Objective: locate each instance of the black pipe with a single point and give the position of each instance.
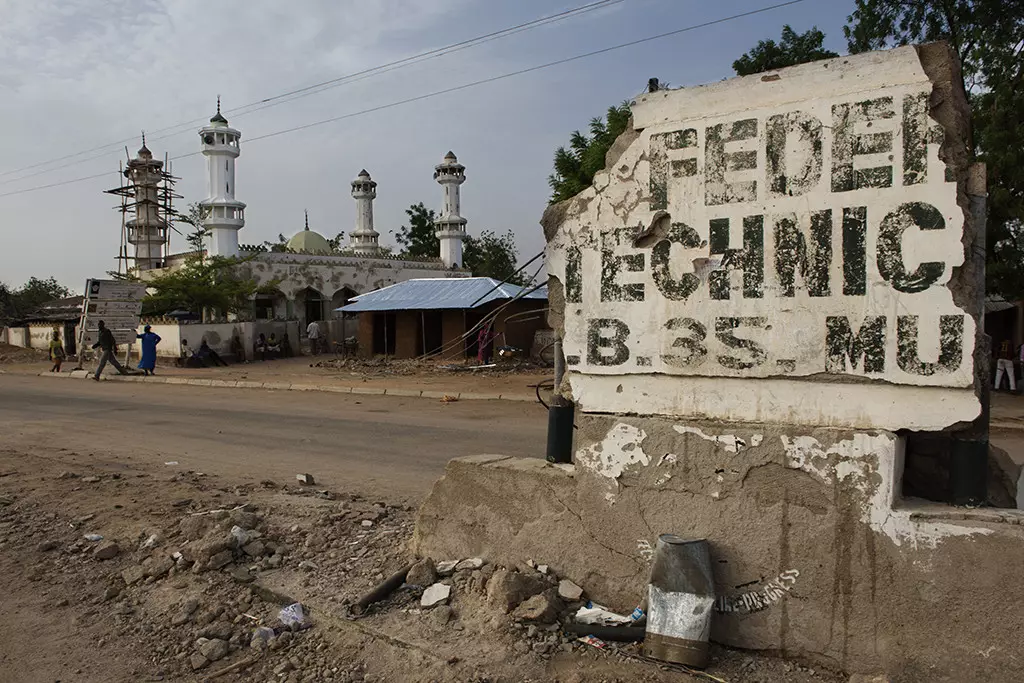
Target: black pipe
(560, 423)
(622, 634)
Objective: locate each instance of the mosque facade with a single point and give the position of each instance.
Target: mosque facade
(309, 278)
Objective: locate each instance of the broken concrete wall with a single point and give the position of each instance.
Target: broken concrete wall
(807, 228)
(775, 277)
(811, 557)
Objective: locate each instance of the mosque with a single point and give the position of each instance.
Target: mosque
(309, 279)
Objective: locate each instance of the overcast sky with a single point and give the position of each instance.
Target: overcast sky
(79, 74)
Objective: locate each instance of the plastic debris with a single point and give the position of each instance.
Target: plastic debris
(93, 537)
(240, 535)
(593, 641)
(592, 613)
(294, 614)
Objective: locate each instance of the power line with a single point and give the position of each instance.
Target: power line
(292, 95)
(457, 88)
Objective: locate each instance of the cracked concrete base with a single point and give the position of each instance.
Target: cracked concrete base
(815, 555)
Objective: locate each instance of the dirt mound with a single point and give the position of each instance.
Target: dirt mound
(10, 355)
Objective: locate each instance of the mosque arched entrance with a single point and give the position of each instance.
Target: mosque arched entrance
(310, 304)
(342, 297)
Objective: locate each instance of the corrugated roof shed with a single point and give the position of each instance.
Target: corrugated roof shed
(58, 310)
(439, 293)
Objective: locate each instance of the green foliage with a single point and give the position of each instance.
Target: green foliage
(212, 283)
(793, 48)
(16, 303)
(337, 242)
(281, 245)
(988, 36)
(576, 164)
(195, 216)
(417, 240)
(492, 256)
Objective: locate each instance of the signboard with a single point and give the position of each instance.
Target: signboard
(114, 290)
(117, 304)
(122, 337)
(114, 308)
(791, 231)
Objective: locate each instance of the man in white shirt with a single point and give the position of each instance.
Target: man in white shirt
(313, 332)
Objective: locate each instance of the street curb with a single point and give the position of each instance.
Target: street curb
(285, 386)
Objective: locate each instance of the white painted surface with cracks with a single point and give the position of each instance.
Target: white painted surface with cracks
(775, 400)
(870, 462)
(730, 442)
(619, 449)
(795, 338)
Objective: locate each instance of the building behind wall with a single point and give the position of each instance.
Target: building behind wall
(439, 317)
(308, 278)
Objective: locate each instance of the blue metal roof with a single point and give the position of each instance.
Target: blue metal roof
(437, 293)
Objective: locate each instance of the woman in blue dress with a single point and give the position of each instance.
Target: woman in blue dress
(149, 341)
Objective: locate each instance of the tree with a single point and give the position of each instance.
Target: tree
(7, 310)
(793, 48)
(492, 256)
(201, 284)
(336, 242)
(988, 37)
(37, 292)
(281, 245)
(576, 165)
(418, 240)
(195, 217)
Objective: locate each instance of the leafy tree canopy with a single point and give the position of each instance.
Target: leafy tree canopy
(492, 256)
(576, 164)
(417, 240)
(213, 283)
(793, 48)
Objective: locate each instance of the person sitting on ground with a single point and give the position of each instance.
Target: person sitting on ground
(286, 346)
(274, 346)
(208, 355)
(188, 357)
(261, 346)
(57, 354)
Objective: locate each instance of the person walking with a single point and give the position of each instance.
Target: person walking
(57, 354)
(149, 341)
(313, 332)
(109, 347)
(1004, 363)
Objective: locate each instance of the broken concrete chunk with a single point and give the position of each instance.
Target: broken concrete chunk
(447, 568)
(471, 563)
(507, 589)
(437, 594)
(422, 573)
(214, 649)
(567, 590)
(542, 608)
(306, 479)
(107, 550)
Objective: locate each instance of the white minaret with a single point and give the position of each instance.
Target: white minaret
(451, 226)
(364, 239)
(147, 232)
(225, 215)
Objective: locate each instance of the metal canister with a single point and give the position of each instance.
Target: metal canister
(681, 598)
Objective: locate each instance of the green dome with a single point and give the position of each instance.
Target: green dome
(309, 242)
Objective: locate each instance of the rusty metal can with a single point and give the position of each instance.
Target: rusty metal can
(681, 598)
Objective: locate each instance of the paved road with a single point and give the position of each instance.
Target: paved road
(388, 446)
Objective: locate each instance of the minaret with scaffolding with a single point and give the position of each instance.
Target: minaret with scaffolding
(148, 197)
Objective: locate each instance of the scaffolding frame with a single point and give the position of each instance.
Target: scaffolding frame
(133, 200)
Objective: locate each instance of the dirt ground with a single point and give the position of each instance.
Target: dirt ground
(180, 597)
(16, 355)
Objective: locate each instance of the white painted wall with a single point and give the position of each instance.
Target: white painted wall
(671, 325)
